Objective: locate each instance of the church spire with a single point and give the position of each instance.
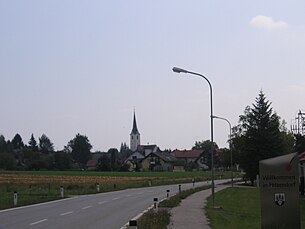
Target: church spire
(134, 127)
(134, 135)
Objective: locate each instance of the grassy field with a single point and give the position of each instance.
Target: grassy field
(239, 209)
(40, 186)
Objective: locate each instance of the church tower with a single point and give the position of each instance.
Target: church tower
(134, 135)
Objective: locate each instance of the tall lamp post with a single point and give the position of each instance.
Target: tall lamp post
(180, 70)
(230, 148)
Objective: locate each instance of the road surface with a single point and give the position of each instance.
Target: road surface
(99, 211)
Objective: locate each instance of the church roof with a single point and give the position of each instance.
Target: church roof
(134, 127)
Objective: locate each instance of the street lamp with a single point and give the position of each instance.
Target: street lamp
(230, 148)
(180, 70)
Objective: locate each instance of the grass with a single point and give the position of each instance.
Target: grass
(239, 209)
(161, 219)
(152, 220)
(175, 200)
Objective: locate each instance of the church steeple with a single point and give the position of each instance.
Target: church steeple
(134, 135)
(134, 127)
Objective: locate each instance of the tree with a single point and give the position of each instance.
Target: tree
(259, 136)
(61, 160)
(114, 159)
(80, 150)
(7, 161)
(125, 152)
(17, 142)
(3, 147)
(104, 163)
(299, 143)
(33, 143)
(45, 144)
(206, 146)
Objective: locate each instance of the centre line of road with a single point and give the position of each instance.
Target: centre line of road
(129, 195)
(84, 208)
(102, 202)
(37, 222)
(66, 213)
(116, 198)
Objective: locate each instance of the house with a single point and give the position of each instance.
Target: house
(134, 160)
(91, 164)
(187, 155)
(158, 161)
(194, 159)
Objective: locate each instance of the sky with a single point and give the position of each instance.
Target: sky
(71, 66)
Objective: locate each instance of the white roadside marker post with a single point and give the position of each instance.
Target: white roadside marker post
(62, 191)
(155, 205)
(15, 198)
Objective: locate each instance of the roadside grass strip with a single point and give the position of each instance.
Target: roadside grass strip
(161, 218)
(239, 208)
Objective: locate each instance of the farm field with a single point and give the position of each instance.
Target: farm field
(40, 186)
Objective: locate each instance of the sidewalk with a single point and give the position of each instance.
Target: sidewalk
(190, 213)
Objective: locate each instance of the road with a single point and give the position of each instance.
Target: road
(105, 210)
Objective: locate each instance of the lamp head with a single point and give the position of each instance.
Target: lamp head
(179, 70)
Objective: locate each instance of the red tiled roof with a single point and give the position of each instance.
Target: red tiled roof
(187, 153)
(91, 163)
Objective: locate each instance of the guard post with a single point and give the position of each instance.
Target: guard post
(279, 187)
(133, 224)
(97, 187)
(155, 205)
(62, 191)
(15, 197)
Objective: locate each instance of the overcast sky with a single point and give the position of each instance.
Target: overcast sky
(69, 67)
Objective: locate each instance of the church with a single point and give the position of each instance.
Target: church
(146, 157)
(134, 135)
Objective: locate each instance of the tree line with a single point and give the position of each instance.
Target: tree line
(40, 155)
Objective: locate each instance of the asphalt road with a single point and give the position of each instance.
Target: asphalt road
(103, 211)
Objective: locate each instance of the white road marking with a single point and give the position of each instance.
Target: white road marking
(140, 193)
(128, 195)
(35, 205)
(37, 222)
(116, 198)
(102, 202)
(66, 213)
(84, 208)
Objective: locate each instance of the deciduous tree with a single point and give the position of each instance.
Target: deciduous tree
(80, 149)
(45, 144)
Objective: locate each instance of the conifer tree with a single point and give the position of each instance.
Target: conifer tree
(260, 131)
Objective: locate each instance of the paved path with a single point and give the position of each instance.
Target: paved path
(190, 213)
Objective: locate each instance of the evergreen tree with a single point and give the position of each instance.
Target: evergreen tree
(17, 142)
(3, 147)
(260, 136)
(33, 144)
